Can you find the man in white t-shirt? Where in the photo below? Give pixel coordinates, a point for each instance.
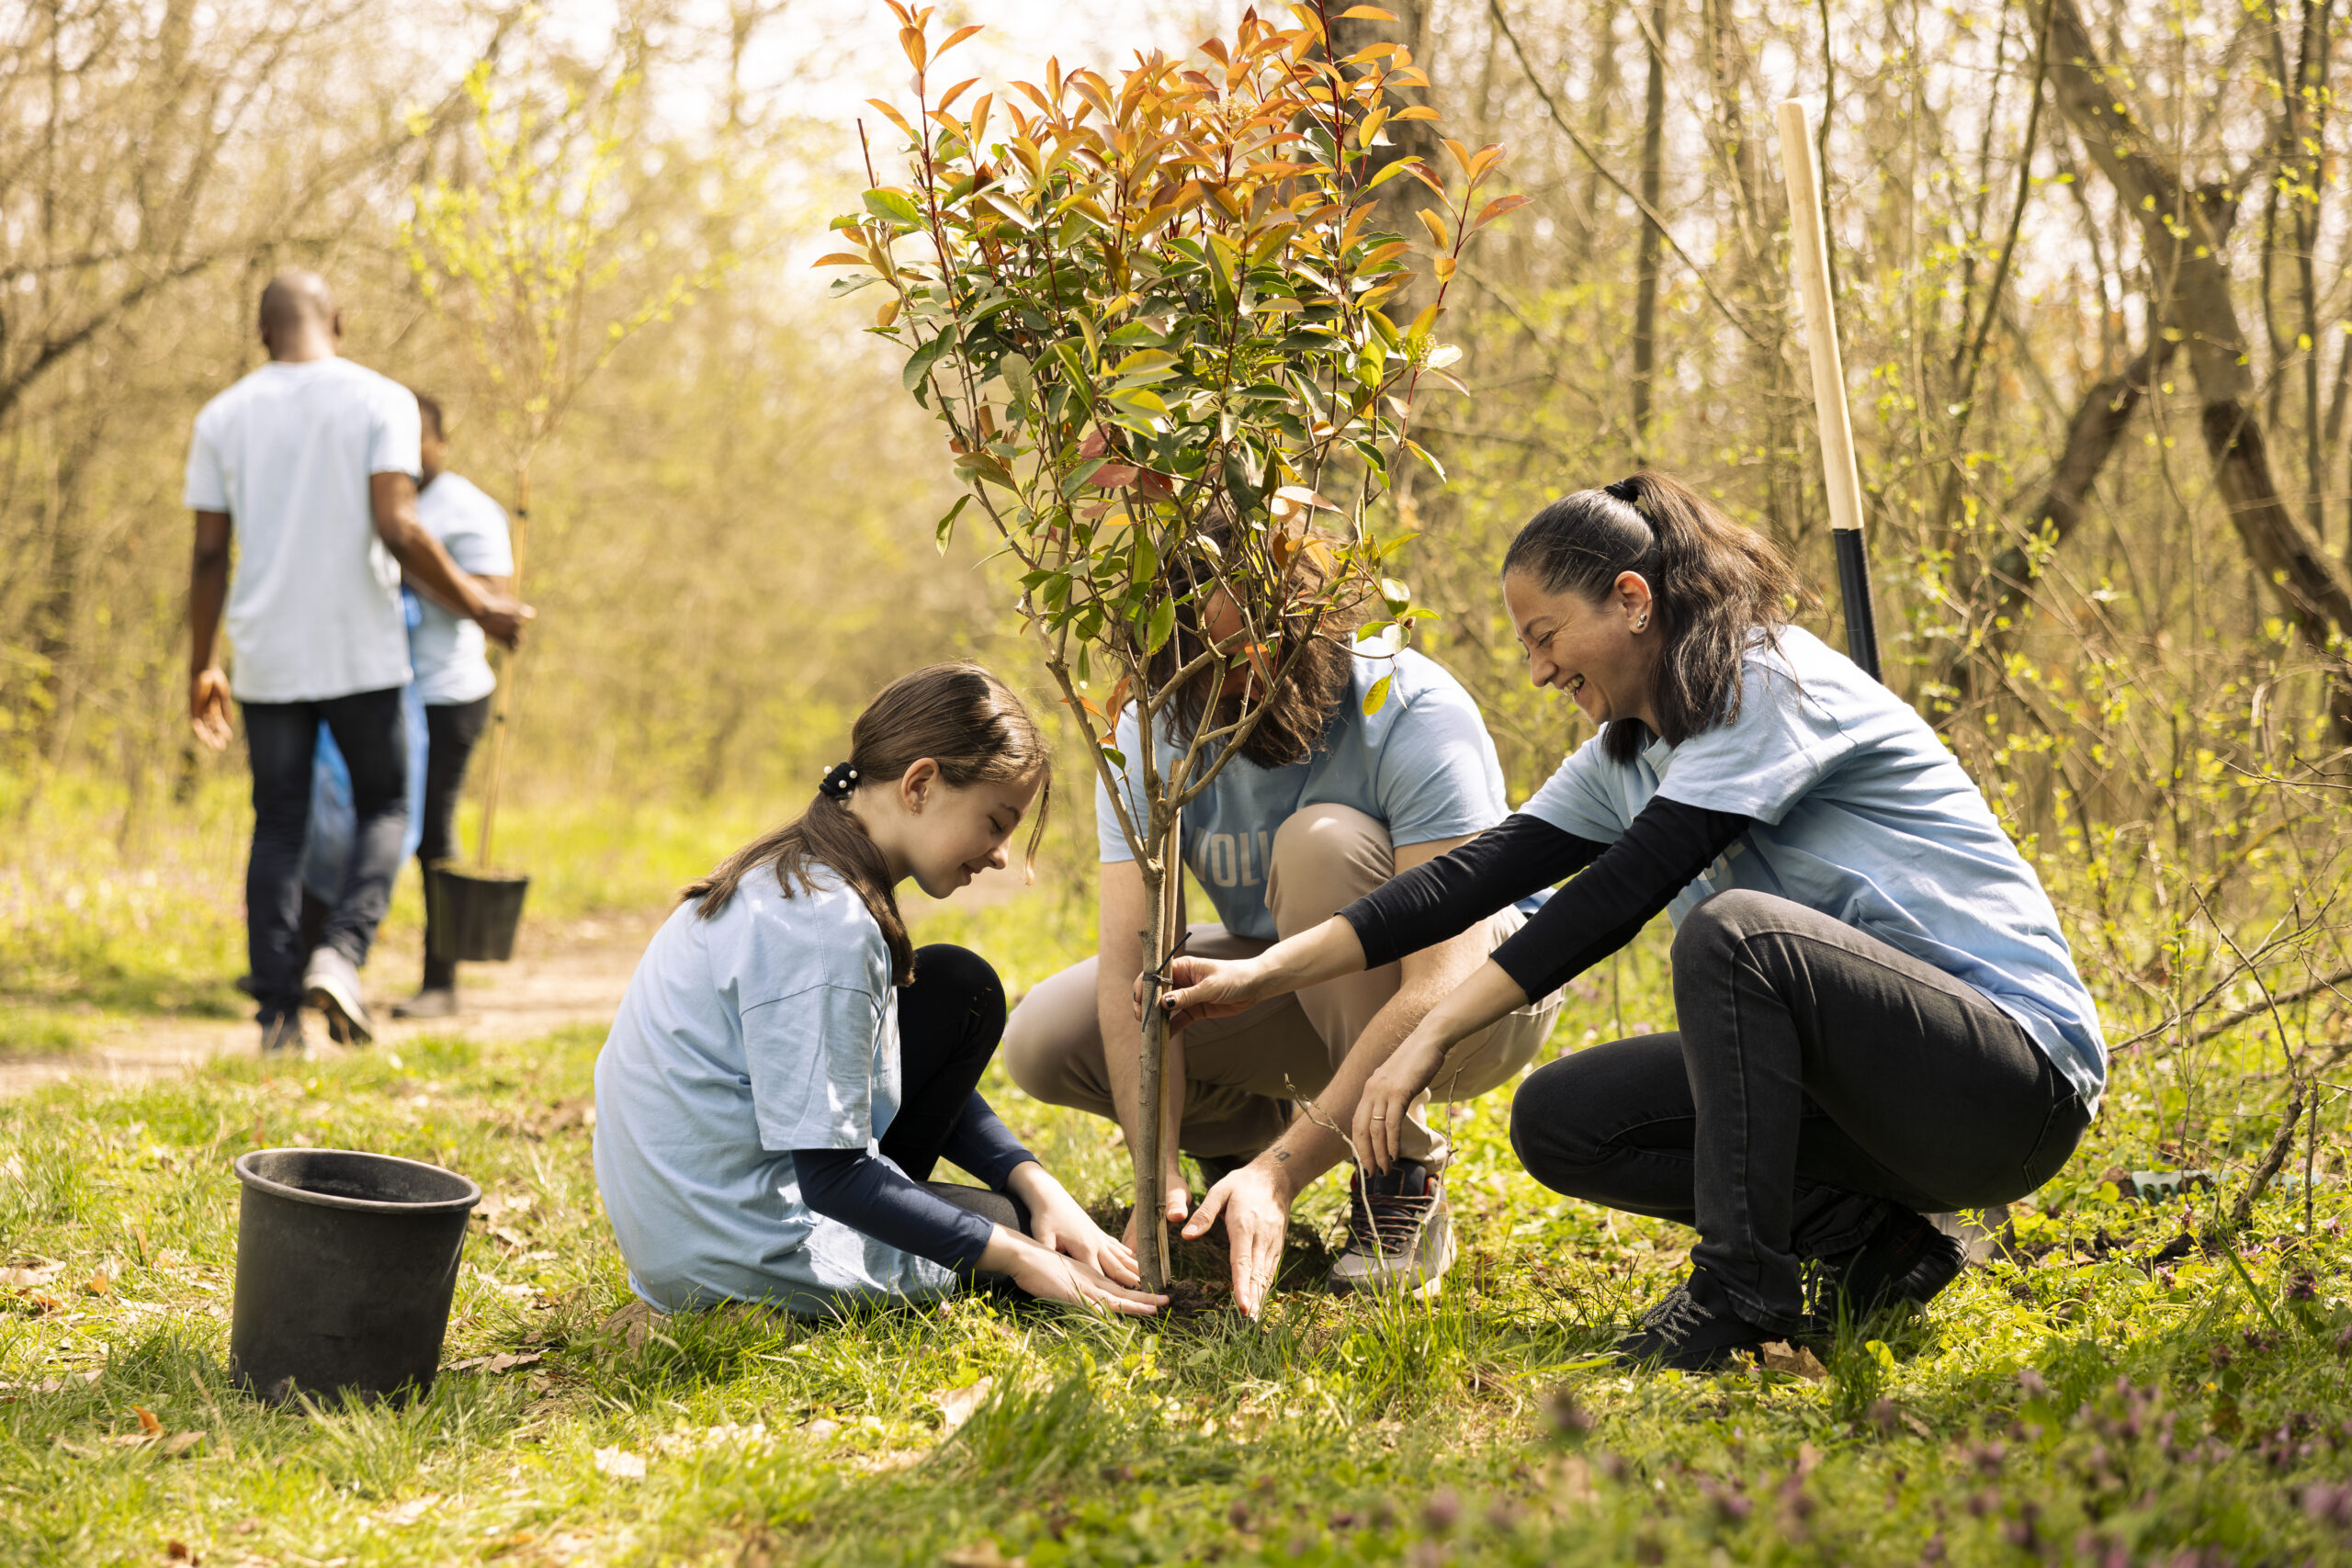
(449, 655)
(308, 465)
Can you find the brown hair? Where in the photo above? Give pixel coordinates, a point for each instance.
(959, 716)
(1713, 584)
(1299, 706)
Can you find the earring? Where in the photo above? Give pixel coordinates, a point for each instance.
(1643, 621)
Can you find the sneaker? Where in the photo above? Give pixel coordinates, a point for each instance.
(331, 983)
(434, 1001)
(1906, 1261)
(1400, 1233)
(1683, 1334)
(282, 1035)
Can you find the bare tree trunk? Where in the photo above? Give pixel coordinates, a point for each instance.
(1646, 267)
(1997, 599)
(2312, 589)
(1163, 883)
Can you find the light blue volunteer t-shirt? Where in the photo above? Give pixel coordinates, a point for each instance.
(1862, 815)
(772, 1026)
(447, 652)
(1423, 764)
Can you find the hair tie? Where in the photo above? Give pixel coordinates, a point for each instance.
(1627, 491)
(838, 781)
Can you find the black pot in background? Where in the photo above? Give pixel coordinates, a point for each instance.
(346, 1263)
(474, 915)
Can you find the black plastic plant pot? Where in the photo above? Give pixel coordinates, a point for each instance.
(345, 1265)
(474, 914)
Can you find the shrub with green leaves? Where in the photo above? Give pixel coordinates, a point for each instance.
(1161, 318)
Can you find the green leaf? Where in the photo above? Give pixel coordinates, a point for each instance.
(850, 284)
(1162, 627)
(945, 528)
(1395, 594)
(1377, 698)
(919, 363)
(892, 208)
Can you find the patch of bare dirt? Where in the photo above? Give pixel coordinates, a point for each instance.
(562, 974)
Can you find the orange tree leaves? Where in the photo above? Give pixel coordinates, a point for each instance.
(1148, 301)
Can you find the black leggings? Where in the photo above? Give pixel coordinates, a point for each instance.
(949, 1023)
(1820, 1078)
(450, 730)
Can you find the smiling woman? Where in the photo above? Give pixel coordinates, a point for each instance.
(1878, 1015)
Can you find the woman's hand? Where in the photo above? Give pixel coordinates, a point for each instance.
(1051, 1277)
(1059, 1224)
(1389, 1093)
(1209, 988)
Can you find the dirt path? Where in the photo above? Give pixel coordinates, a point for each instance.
(562, 974)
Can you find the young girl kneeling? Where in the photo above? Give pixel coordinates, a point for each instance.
(786, 1070)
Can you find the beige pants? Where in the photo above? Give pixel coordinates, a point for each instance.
(1239, 1070)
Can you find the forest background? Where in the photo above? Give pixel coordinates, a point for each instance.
(2098, 324)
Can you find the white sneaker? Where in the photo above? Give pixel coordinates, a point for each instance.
(331, 983)
(1400, 1233)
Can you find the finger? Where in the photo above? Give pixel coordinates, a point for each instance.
(1120, 1269)
(1211, 1206)
(1250, 1274)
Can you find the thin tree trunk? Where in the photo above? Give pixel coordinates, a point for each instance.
(1645, 264)
(1163, 881)
(1998, 600)
(2312, 589)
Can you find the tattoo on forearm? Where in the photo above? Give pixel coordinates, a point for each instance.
(1282, 1157)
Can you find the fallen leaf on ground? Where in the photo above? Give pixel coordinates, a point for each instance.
(147, 1422)
(404, 1514)
(42, 1302)
(819, 1429)
(49, 1385)
(982, 1554)
(179, 1443)
(956, 1405)
(634, 1322)
(621, 1464)
(26, 1272)
(504, 1362)
(97, 1284)
(180, 1552)
(1799, 1362)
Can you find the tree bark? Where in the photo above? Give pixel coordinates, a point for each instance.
(1163, 893)
(1646, 267)
(1997, 598)
(2313, 589)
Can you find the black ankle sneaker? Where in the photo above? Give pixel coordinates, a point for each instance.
(1684, 1333)
(1906, 1261)
(1400, 1233)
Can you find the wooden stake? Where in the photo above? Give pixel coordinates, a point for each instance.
(1809, 247)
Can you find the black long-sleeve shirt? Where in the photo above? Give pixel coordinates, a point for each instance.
(876, 1198)
(1617, 888)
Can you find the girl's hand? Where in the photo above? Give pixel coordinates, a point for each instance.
(1060, 1225)
(1050, 1277)
(1389, 1094)
(1208, 987)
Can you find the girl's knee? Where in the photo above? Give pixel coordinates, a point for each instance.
(962, 972)
(1545, 1133)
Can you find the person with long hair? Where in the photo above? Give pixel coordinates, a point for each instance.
(1878, 1017)
(1329, 797)
(787, 1068)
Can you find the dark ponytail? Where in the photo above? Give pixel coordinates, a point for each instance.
(959, 716)
(1713, 585)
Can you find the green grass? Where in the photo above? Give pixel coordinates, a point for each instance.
(109, 918)
(2080, 1401)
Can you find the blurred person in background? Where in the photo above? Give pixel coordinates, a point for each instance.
(450, 655)
(310, 465)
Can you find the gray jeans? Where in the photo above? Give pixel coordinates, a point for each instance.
(1820, 1079)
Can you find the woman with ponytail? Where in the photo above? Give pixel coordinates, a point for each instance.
(1879, 1018)
(787, 1068)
